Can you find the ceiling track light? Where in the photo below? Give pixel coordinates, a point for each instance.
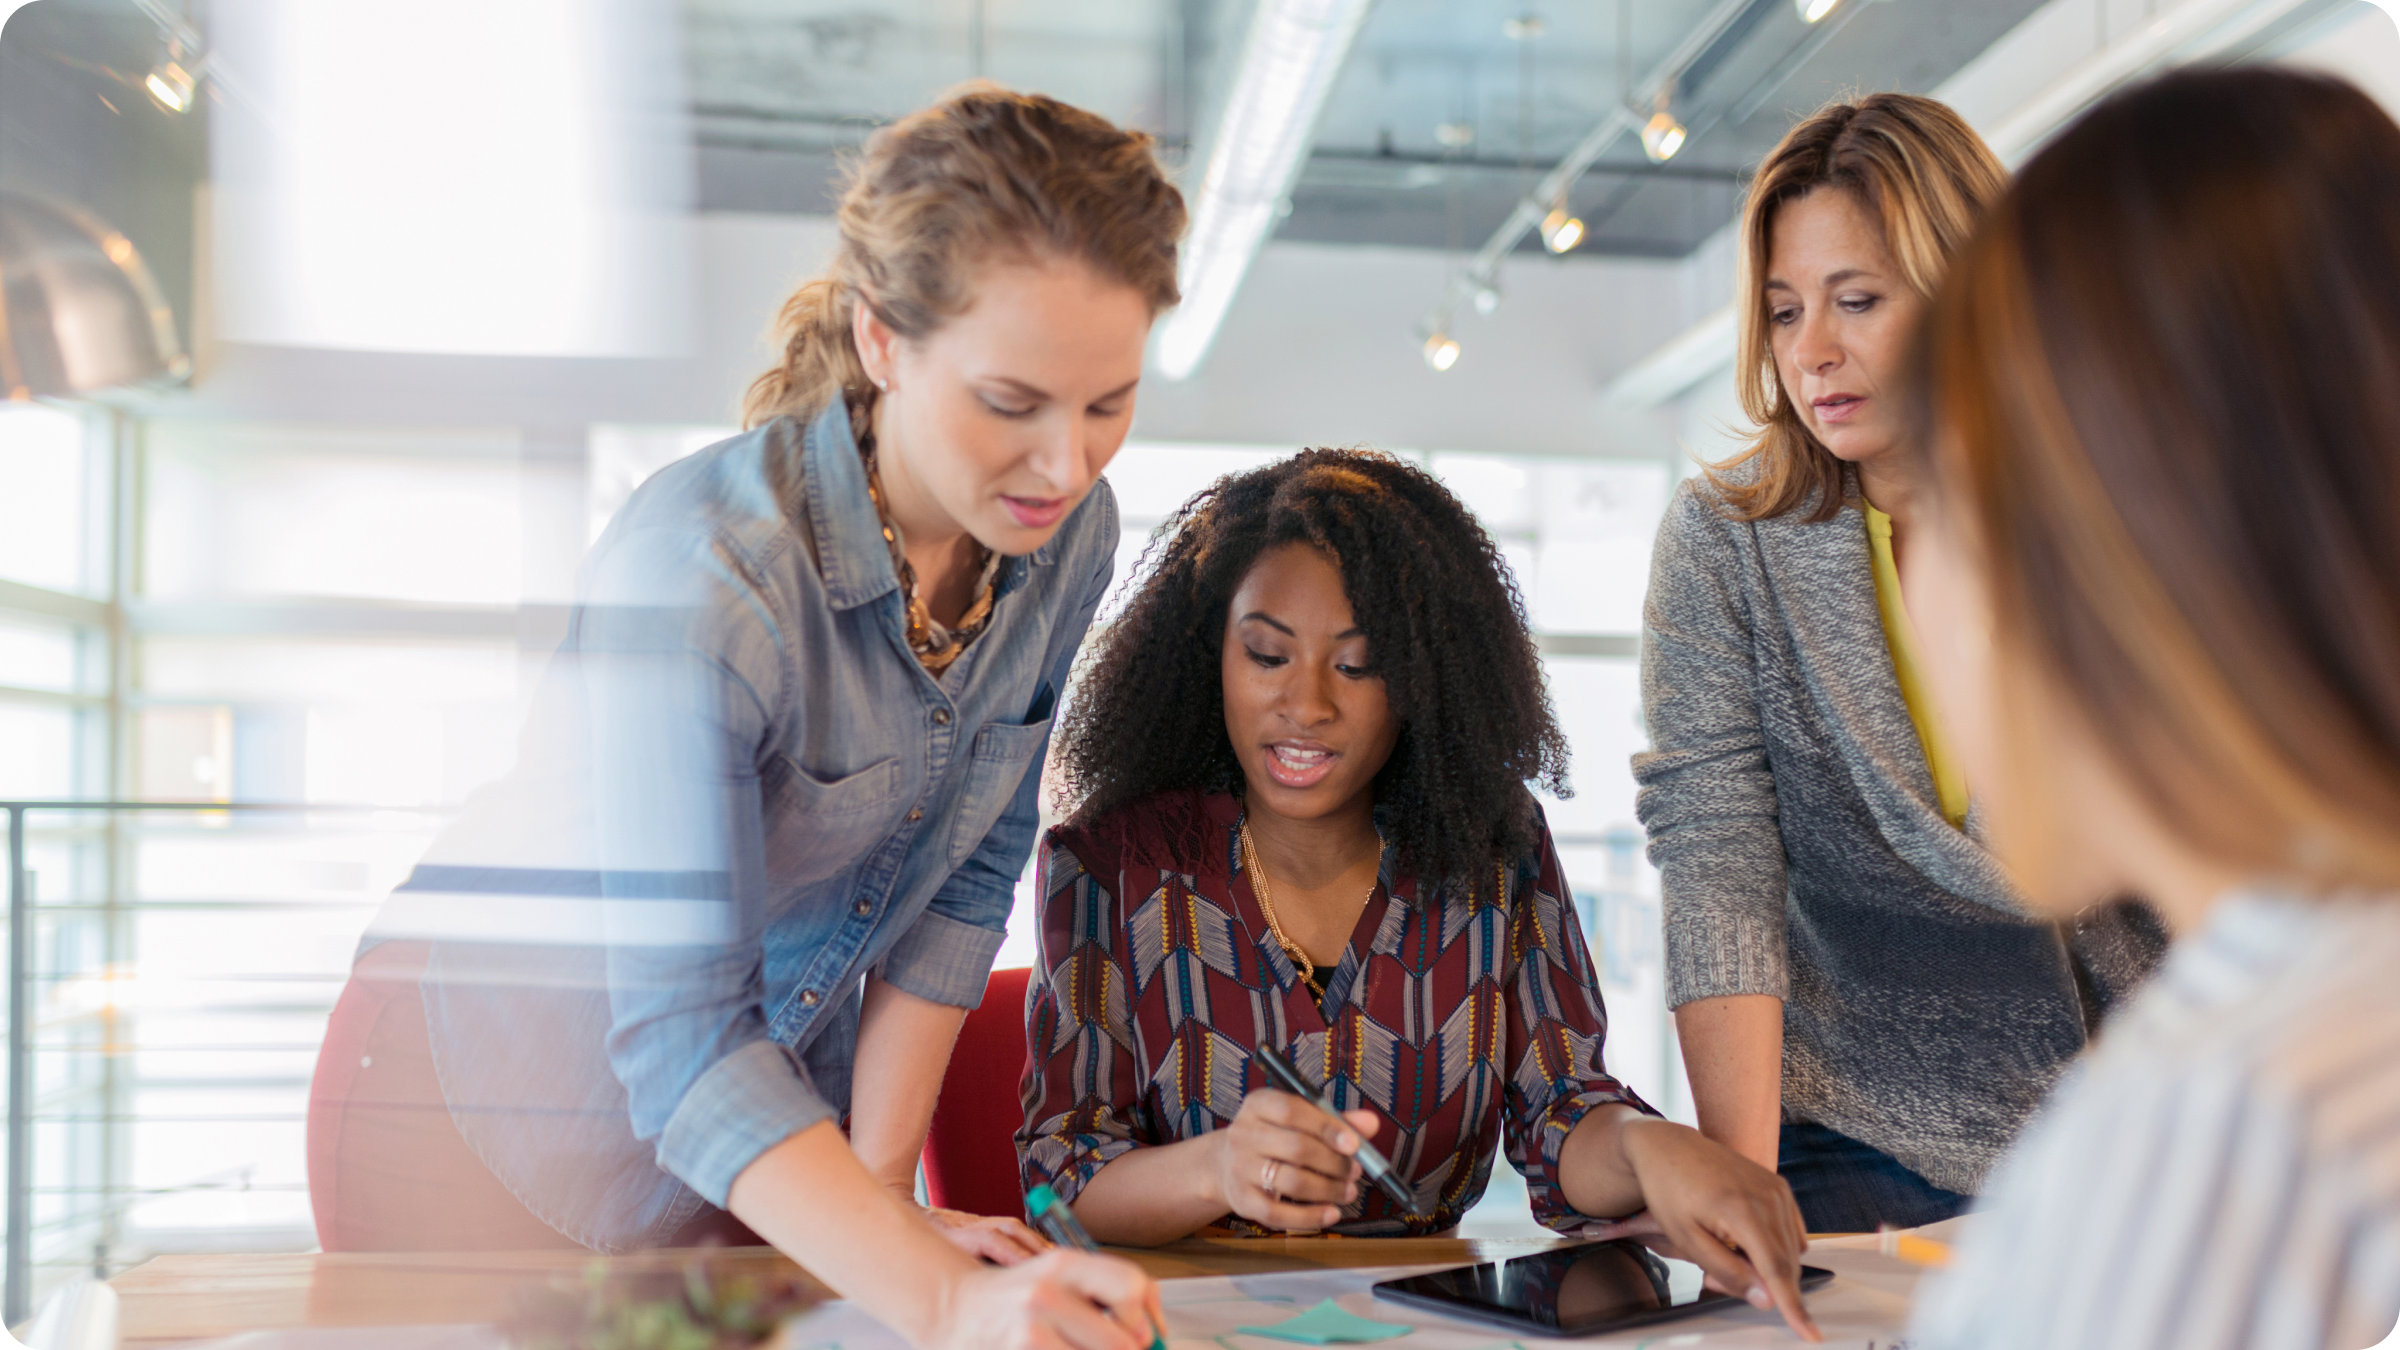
(1535, 207)
(1662, 136)
(171, 84)
(1487, 299)
(1561, 231)
(1441, 350)
(174, 82)
(1813, 10)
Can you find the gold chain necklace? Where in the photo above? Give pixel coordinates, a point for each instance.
(1266, 903)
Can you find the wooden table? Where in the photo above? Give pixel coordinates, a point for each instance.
(175, 1299)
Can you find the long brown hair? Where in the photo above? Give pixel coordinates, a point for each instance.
(983, 173)
(2163, 388)
(1925, 176)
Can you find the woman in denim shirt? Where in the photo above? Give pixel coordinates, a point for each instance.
(703, 957)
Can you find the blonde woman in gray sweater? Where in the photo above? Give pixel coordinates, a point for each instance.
(1863, 1001)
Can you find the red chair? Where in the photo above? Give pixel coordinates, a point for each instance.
(971, 1151)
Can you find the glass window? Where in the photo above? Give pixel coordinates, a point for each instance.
(1592, 565)
(234, 510)
(1153, 479)
(362, 722)
(624, 457)
(343, 670)
(41, 755)
(48, 511)
(1498, 489)
(53, 657)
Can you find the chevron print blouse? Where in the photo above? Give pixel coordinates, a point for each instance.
(1461, 1025)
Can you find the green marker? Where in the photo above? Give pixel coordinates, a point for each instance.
(1059, 1224)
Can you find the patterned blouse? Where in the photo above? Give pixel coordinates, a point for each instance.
(1460, 1023)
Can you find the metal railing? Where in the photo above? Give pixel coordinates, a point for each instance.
(80, 1022)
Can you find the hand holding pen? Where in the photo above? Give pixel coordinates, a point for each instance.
(1291, 1161)
(1059, 1224)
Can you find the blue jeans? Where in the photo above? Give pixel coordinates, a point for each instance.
(1844, 1186)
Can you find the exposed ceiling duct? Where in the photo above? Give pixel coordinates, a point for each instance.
(1294, 51)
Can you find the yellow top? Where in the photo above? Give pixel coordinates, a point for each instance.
(1949, 781)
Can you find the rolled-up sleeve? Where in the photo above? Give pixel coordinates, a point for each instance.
(1555, 1026)
(1707, 793)
(678, 670)
(738, 1108)
(1081, 1085)
(944, 960)
(946, 956)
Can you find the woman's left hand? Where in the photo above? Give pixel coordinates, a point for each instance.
(1001, 1241)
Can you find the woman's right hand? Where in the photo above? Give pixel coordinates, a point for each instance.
(1061, 1300)
(1283, 1163)
(1717, 1209)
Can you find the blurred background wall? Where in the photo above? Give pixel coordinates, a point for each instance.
(456, 275)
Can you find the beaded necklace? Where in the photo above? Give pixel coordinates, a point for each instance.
(937, 645)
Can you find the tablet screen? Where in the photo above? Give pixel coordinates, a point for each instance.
(1571, 1290)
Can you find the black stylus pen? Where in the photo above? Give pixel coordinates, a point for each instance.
(1370, 1159)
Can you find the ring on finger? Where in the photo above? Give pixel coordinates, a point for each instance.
(1266, 1176)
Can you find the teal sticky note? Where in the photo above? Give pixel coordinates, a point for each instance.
(1327, 1324)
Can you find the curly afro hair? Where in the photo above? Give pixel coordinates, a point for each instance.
(1443, 620)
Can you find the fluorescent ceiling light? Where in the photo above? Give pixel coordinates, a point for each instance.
(1295, 49)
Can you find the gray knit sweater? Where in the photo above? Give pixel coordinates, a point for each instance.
(1803, 854)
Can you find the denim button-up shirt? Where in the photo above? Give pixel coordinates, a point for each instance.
(741, 794)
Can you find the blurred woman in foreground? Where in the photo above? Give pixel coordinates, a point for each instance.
(2163, 617)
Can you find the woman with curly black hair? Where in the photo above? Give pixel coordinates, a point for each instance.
(1298, 766)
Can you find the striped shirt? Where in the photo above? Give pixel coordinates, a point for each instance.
(2223, 1170)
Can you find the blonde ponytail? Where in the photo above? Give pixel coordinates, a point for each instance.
(984, 172)
(820, 362)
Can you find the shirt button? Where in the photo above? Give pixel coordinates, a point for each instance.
(863, 908)
(941, 717)
(916, 813)
(808, 998)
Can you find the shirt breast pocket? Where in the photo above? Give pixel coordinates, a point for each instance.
(816, 825)
(1002, 755)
